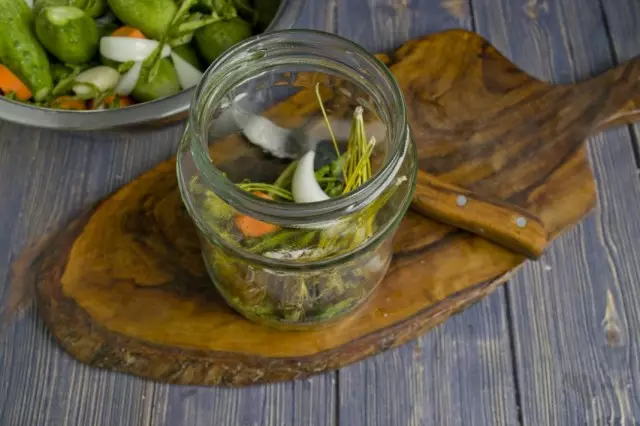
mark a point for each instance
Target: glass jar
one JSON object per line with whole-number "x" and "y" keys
{"x": 314, "y": 261}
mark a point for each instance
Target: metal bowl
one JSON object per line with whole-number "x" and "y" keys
{"x": 156, "y": 113}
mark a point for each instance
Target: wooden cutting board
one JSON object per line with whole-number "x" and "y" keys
{"x": 123, "y": 287}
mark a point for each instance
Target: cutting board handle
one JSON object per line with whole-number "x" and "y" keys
{"x": 623, "y": 101}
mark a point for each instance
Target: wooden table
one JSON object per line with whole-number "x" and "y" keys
{"x": 558, "y": 345}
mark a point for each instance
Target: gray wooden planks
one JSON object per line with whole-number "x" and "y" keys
{"x": 47, "y": 176}
{"x": 574, "y": 316}
{"x": 461, "y": 372}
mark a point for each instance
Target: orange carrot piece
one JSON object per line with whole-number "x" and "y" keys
{"x": 9, "y": 82}
{"x": 254, "y": 228}
{"x": 128, "y": 31}
{"x": 68, "y": 102}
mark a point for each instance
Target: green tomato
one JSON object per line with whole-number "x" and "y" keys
{"x": 215, "y": 38}
{"x": 152, "y": 17}
{"x": 67, "y": 33}
{"x": 164, "y": 84}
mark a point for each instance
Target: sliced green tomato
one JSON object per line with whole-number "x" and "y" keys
{"x": 215, "y": 38}
{"x": 67, "y": 33}
{"x": 164, "y": 84}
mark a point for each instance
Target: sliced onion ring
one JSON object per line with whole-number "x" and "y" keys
{"x": 188, "y": 75}
{"x": 128, "y": 81}
{"x": 124, "y": 49}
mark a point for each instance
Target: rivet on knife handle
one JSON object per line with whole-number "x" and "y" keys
{"x": 505, "y": 224}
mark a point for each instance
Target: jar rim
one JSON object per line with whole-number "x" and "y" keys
{"x": 208, "y": 94}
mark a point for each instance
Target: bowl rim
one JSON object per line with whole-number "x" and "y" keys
{"x": 154, "y": 111}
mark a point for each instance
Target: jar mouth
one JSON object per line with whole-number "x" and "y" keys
{"x": 230, "y": 69}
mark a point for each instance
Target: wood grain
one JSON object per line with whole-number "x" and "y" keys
{"x": 505, "y": 224}
{"x": 574, "y": 324}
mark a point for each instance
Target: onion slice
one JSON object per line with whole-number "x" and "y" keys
{"x": 304, "y": 186}
{"x": 188, "y": 75}
{"x": 128, "y": 81}
{"x": 124, "y": 49}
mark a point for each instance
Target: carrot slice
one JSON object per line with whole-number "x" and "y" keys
{"x": 128, "y": 31}
{"x": 68, "y": 102}
{"x": 9, "y": 82}
{"x": 254, "y": 228}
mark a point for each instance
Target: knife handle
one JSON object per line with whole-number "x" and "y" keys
{"x": 507, "y": 225}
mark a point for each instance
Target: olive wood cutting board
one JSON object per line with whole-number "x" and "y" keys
{"x": 123, "y": 287}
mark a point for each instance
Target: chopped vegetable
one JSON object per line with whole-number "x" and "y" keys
{"x": 188, "y": 75}
{"x": 9, "y": 83}
{"x": 304, "y": 186}
{"x": 68, "y": 102}
{"x": 128, "y": 31}
{"x": 96, "y": 80}
{"x": 68, "y": 33}
{"x": 123, "y": 49}
{"x": 215, "y": 38}
{"x": 253, "y": 228}
{"x": 128, "y": 81}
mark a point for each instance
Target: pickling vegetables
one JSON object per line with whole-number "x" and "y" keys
{"x": 306, "y": 294}
{"x": 58, "y": 52}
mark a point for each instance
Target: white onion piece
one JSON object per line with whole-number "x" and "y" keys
{"x": 29, "y": 3}
{"x": 102, "y": 77}
{"x": 304, "y": 186}
{"x": 188, "y": 75}
{"x": 264, "y": 133}
{"x": 124, "y": 49}
{"x": 128, "y": 81}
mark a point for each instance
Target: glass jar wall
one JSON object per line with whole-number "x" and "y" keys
{"x": 293, "y": 254}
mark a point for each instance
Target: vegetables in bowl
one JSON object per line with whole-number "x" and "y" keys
{"x": 104, "y": 54}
